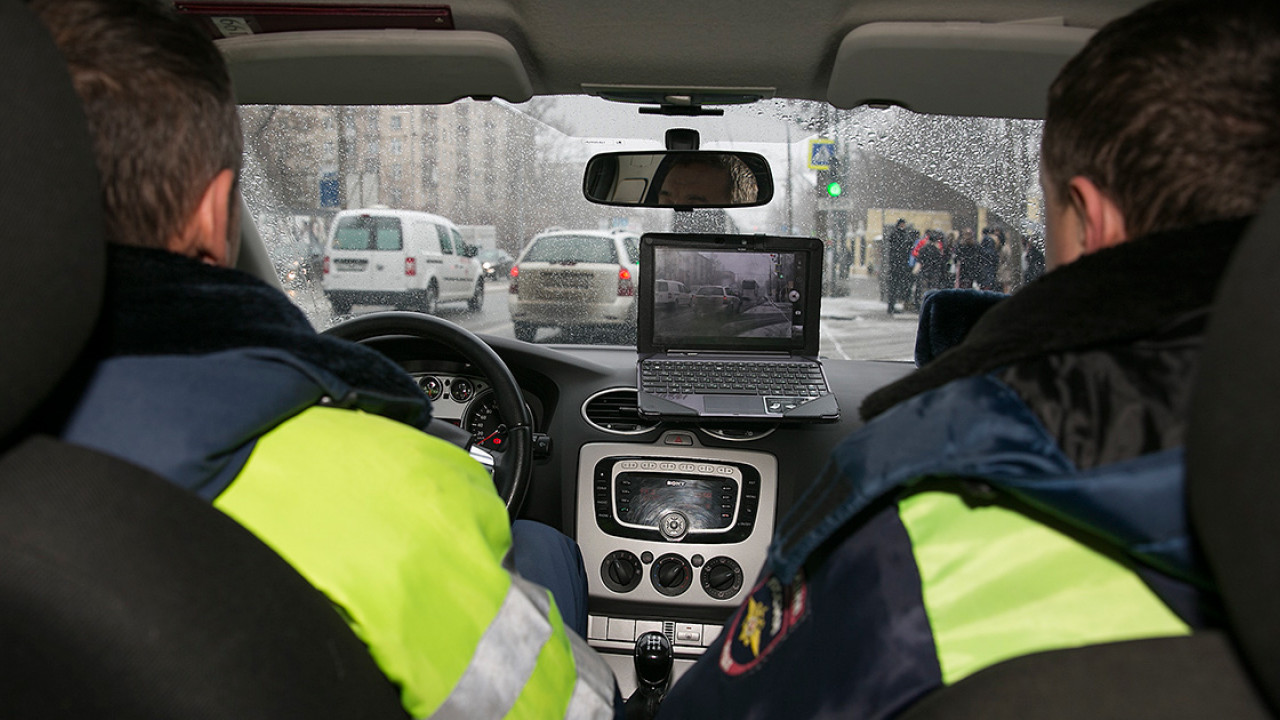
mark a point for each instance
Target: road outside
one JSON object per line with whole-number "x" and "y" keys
{"x": 858, "y": 326}
{"x": 854, "y": 327}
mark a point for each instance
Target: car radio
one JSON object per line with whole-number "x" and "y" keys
{"x": 673, "y": 523}
{"x": 675, "y": 500}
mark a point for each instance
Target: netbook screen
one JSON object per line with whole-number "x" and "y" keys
{"x": 729, "y": 299}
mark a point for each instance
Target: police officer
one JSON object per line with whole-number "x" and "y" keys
{"x": 216, "y": 381}
{"x": 1022, "y": 492}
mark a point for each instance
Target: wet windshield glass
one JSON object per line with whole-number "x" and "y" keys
{"x": 904, "y": 204}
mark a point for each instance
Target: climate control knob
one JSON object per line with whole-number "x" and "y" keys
{"x": 621, "y": 571}
{"x": 722, "y": 577}
{"x": 671, "y": 574}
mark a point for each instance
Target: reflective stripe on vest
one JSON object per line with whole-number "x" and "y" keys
{"x": 405, "y": 534}
{"x": 999, "y": 585}
{"x": 593, "y": 692}
{"x": 494, "y": 684}
{"x": 506, "y": 657}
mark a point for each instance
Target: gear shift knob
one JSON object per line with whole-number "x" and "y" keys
{"x": 653, "y": 661}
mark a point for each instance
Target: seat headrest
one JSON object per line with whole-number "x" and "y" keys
{"x": 51, "y": 244}
{"x": 1234, "y": 495}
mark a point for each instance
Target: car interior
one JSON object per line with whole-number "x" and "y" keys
{"x": 97, "y": 618}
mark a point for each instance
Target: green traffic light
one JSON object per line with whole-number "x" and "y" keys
{"x": 834, "y": 189}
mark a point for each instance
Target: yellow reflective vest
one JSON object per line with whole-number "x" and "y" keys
{"x": 406, "y": 536}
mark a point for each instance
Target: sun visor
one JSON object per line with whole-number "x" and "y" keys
{"x": 374, "y": 67}
{"x": 976, "y": 69}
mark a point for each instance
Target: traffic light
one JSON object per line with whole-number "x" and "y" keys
{"x": 834, "y": 182}
{"x": 830, "y": 181}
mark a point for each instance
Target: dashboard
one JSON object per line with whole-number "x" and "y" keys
{"x": 468, "y": 402}
{"x": 674, "y": 519}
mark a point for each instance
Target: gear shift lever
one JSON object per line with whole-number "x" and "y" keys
{"x": 653, "y": 661}
{"x": 653, "y": 675}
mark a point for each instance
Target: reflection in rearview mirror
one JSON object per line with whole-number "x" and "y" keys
{"x": 680, "y": 179}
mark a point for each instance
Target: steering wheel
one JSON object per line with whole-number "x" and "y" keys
{"x": 513, "y": 466}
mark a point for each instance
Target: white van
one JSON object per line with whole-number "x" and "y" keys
{"x": 671, "y": 294}
{"x": 411, "y": 260}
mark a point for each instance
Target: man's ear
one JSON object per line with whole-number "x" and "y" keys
{"x": 1101, "y": 221}
{"x": 205, "y": 234}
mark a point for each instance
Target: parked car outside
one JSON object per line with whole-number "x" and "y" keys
{"x": 574, "y": 279}
{"x": 716, "y": 298}
{"x": 671, "y": 294}
{"x": 408, "y": 259}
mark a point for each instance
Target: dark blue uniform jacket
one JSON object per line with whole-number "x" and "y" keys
{"x": 1066, "y": 402}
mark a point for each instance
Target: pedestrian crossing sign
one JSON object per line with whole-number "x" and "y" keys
{"x": 821, "y": 153}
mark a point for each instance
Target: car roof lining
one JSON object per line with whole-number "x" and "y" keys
{"x": 560, "y": 45}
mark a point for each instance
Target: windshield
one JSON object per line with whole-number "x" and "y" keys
{"x": 904, "y": 204}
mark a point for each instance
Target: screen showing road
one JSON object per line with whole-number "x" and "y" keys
{"x": 707, "y": 297}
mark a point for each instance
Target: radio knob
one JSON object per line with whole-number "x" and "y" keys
{"x": 674, "y": 525}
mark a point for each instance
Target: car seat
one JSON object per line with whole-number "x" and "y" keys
{"x": 1233, "y": 499}
{"x": 122, "y": 596}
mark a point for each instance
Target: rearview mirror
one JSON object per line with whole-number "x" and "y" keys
{"x": 680, "y": 179}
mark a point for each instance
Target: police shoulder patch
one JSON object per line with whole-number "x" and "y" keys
{"x": 761, "y": 623}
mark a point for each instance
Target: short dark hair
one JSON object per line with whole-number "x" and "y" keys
{"x": 739, "y": 180}
{"x": 1173, "y": 111}
{"x": 160, "y": 107}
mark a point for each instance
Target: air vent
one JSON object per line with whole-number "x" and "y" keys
{"x": 616, "y": 411}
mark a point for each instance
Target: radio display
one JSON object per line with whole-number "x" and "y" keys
{"x": 644, "y": 498}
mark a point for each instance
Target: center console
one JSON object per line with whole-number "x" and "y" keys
{"x": 672, "y": 535}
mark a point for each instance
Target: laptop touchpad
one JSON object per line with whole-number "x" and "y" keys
{"x": 732, "y": 404}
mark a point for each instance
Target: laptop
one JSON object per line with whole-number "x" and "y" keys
{"x": 734, "y": 333}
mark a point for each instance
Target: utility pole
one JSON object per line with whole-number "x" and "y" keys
{"x": 790, "y": 224}
{"x": 346, "y": 150}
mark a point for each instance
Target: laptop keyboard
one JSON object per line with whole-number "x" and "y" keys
{"x": 714, "y": 377}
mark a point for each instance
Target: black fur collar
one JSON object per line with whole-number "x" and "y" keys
{"x": 1124, "y": 292}
{"x": 158, "y": 303}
